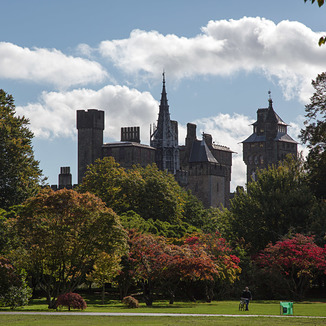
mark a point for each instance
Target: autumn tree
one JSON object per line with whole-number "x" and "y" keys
{"x": 20, "y": 175}
{"x": 298, "y": 259}
{"x": 157, "y": 263}
{"x": 314, "y": 134}
{"x": 226, "y": 264}
{"x": 279, "y": 200}
{"x": 60, "y": 235}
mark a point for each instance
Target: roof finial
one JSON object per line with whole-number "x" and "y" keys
{"x": 270, "y": 99}
{"x": 163, "y": 76}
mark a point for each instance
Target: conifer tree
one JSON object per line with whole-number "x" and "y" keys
{"x": 314, "y": 135}
{"x": 20, "y": 175}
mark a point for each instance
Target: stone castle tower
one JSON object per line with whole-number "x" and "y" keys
{"x": 199, "y": 165}
{"x": 269, "y": 143}
{"x": 205, "y": 168}
{"x": 165, "y": 138}
{"x": 90, "y": 125}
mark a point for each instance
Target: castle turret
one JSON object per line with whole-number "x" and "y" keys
{"x": 269, "y": 143}
{"x": 165, "y": 137}
{"x": 90, "y": 125}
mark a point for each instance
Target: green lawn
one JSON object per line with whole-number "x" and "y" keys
{"x": 16, "y": 320}
{"x": 306, "y": 308}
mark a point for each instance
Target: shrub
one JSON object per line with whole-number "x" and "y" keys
{"x": 130, "y": 302}
{"x": 71, "y": 300}
{"x": 14, "y": 291}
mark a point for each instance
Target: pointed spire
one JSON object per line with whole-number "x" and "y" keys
{"x": 164, "y": 99}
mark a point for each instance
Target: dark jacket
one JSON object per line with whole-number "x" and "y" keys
{"x": 246, "y": 294}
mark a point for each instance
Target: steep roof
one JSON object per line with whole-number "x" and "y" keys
{"x": 254, "y": 138}
{"x": 201, "y": 153}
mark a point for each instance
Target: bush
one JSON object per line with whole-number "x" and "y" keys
{"x": 130, "y": 302}
{"x": 71, "y": 300}
{"x": 14, "y": 291}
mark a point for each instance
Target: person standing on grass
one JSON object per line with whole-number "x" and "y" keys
{"x": 246, "y": 295}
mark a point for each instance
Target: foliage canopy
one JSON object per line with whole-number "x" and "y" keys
{"x": 20, "y": 175}
{"x": 314, "y": 134}
{"x": 278, "y": 202}
{"x": 60, "y": 235}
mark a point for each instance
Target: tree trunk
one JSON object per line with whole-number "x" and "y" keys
{"x": 147, "y": 293}
{"x": 103, "y": 293}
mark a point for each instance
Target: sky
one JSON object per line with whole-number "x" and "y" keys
{"x": 220, "y": 59}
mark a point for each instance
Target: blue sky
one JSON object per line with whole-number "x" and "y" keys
{"x": 220, "y": 57}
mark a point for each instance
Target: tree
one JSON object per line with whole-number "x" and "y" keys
{"x": 149, "y": 192}
{"x": 225, "y": 262}
{"x": 322, "y": 40}
{"x": 298, "y": 259}
{"x": 20, "y": 175}
{"x": 14, "y": 291}
{"x": 105, "y": 179}
{"x": 106, "y": 268}
{"x": 314, "y": 135}
{"x": 131, "y": 220}
{"x": 279, "y": 200}
{"x": 60, "y": 235}
{"x": 158, "y": 264}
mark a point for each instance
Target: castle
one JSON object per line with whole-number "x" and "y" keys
{"x": 200, "y": 165}
{"x": 269, "y": 143}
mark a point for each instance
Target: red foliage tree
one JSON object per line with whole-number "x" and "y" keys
{"x": 298, "y": 259}
{"x": 226, "y": 265}
{"x": 71, "y": 300}
{"x": 157, "y": 263}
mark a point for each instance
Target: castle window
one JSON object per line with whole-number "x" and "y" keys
{"x": 256, "y": 159}
{"x": 261, "y": 159}
{"x": 217, "y": 187}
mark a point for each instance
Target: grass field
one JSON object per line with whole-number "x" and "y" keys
{"x": 308, "y": 308}
{"x": 16, "y": 320}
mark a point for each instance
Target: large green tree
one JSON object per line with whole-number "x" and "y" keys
{"x": 148, "y": 197}
{"x": 58, "y": 236}
{"x": 151, "y": 193}
{"x": 20, "y": 175}
{"x": 314, "y": 134}
{"x": 278, "y": 202}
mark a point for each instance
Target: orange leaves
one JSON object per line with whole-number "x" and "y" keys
{"x": 195, "y": 260}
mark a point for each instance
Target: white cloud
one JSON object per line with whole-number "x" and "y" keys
{"x": 47, "y": 66}
{"x": 288, "y": 51}
{"x": 55, "y": 114}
